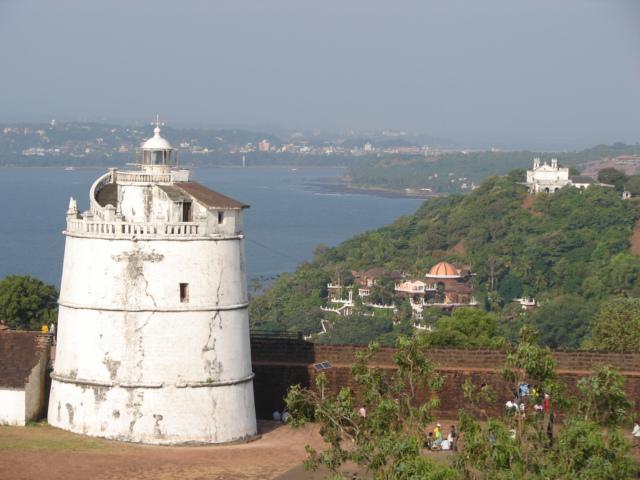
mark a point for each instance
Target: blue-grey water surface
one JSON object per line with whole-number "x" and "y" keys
{"x": 287, "y": 218}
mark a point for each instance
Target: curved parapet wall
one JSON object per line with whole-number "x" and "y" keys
{"x": 95, "y": 207}
{"x": 153, "y": 340}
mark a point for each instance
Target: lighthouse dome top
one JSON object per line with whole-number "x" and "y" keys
{"x": 156, "y": 142}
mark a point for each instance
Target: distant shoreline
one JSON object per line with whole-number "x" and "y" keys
{"x": 337, "y": 185}
{"x": 343, "y": 185}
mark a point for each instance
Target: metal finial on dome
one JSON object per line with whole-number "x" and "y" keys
{"x": 157, "y": 123}
{"x": 157, "y": 142}
{"x": 156, "y": 131}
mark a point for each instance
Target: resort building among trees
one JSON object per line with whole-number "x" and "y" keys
{"x": 445, "y": 287}
{"x": 367, "y": 287}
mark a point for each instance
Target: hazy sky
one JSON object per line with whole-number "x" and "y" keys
{"x": 530, "y": 71}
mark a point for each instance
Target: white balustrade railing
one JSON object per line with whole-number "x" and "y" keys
{"x": 144, "y": 177}
{"x": 124, "y": 229}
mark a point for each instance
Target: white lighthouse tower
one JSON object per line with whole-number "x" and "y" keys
{"x": 153, "y": 338}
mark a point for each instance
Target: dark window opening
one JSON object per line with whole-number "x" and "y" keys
{"x": 186, "y": 212}
{"x": 220, "y": 217}
{"x": 184, "y": 292}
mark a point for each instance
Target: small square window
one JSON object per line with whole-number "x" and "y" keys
{"x": 220, "y": 217}
{"x": 184, "y": 292}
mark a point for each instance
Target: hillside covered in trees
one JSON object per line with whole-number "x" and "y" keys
{"x": 570, "y": 250}
{"x": 457, "y": 171}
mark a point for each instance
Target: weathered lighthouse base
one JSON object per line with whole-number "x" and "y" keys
{"x": 163, "y": 415}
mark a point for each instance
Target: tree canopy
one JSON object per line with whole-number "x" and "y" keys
{"x": 382, "y": 428}
{"x": 27, "y": 303}
{"x": 569, "y": 250}
{"x": 616, "y": 326}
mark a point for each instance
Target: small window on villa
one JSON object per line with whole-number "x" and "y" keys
{"x": 220, "y": 217}
{"x": 184, "y": 292}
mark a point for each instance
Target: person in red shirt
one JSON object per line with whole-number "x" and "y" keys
{"x": 547, "y": 403}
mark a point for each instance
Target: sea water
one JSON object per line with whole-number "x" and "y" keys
{"x": 288, "y": 217}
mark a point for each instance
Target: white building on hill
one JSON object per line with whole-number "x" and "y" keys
{"x": 153, "y": 338}
{"x": 551, "y": 178}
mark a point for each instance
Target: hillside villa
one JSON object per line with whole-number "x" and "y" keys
{"x": 445, "y": 287}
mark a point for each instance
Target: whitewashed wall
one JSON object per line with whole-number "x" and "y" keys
{"x": 12, "y": 406}
{"x": 133, "y": 362}
{"x": 35, "y": 390}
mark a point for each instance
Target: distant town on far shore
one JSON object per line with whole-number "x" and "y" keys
{"x": 386, "y": 160}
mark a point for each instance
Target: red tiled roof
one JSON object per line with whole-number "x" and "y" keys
{"x": 20, "y": 352}
{"x": 209, "y": 197}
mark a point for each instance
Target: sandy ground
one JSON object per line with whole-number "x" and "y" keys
{"x": 43, "y": 452}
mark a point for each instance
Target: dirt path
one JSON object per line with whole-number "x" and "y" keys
{"x": 527, "y": 204}
{"x": 42, "y": 452}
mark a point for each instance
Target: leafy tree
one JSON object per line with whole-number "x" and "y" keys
{"x": 357, "y": 329}
{"x": 530, "y": 362}
{"x": 383, "y": 291}
{"x": 514, "y": 447}
{"x": 466, "y": 327}
{"x": 583, "y": 450}
{"x": 614, "y": 177}
{"x": 510, "y": 287}
{"x": 603, "y": 399}
{"x": 26, "y": 303}
{"x": 633, "y": 185}
{"x": 586, "y": 450}
{"x": 388, "y": 439}
{"x": 616, "y": 327}
{"x": 292, "y": 302}
{"x": 618, "y": 277}
{"x": 562, "y": 321}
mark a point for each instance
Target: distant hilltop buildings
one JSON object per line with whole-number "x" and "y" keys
{"x": 551, "y": 178}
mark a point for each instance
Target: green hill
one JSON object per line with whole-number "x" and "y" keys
{"x": 457, "y": 171}
{"x": 569, "y": 250}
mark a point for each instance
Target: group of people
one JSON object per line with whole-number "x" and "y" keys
{"x": 524, "y": 394}
{"x": 437, "y": 441}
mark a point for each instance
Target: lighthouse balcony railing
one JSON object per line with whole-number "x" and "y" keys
{"x": 125, "y": 229}
{"x": 152, "y": 177}
{"x": 144, "y": 177}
